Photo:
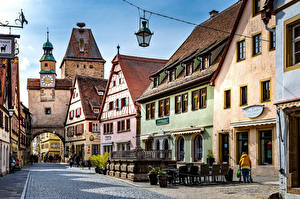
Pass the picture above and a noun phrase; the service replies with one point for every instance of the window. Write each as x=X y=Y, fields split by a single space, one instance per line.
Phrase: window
x=256 y=44
x=71 y=114
x=178 y=104
x=243 y=96
x=265 y=147
x=111 y=106
x=184 y=102
x=95 y=149
x=119 y=126
x=78 y=112
x=203 y=98
x=128 y=147
x=152 y=111
x=227 y=99
x=180 y=149
x=272 y=39
x=155 y=82
x=128 y=124
x=108 y=128
x=123 y=125
x=198 y=148
x=95 y=127
x=189 y=69
x=79 y=129
x=46 y=64
x=172 y=75
x=70 y=131
x=164 y=107
x=241 y=50
x=91 y=66
x=84 y=66
x=199 y=99
x=96 y=110
x=256 y=7
x=47 y=111
x=292 y=44
x=265 y=91
x=242 y=144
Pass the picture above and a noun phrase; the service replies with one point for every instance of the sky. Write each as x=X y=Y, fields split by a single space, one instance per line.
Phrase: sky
x=112 y=22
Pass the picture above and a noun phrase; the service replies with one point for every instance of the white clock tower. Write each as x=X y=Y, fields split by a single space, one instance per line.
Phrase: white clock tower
x=48 y=68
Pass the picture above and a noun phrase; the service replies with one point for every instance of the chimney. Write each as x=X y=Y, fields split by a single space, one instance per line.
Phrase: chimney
x=213 y=13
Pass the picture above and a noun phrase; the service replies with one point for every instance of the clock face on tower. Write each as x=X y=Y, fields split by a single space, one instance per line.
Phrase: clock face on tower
x=47 y=81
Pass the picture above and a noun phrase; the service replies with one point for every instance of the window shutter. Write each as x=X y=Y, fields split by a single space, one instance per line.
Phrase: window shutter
x=75 y=130
x=120 y=104
x=70 y=115
x=127 y=101
x=82 y=129
x=79 y=111
x=90 y=126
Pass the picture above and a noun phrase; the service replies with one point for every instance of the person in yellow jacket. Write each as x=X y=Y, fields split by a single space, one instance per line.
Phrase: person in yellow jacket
x=245 y=165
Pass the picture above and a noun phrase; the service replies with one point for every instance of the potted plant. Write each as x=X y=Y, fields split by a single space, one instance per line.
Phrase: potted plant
x=162 y=178
x=210 y=158
x=103 y=161
x=153 y=176
x=95 y=162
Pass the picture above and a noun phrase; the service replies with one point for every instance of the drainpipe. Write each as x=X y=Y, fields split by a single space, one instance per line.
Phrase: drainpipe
x=281 y=170
x=269 y=29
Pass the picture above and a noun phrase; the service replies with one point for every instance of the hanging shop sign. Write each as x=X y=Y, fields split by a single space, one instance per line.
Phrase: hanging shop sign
x=253 y=111
x=162 y=121
x=7 y=46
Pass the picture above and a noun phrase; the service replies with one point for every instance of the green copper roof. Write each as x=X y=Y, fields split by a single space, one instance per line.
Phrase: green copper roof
x=47 y=57
x=48 y=45
x=47 y=72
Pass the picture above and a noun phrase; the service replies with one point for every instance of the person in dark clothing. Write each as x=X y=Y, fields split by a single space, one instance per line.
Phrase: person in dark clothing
x=77 y=159
x=89 y=164
x=71 y=162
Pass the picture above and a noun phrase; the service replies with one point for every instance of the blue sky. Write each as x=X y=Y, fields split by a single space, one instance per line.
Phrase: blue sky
x=113 y=22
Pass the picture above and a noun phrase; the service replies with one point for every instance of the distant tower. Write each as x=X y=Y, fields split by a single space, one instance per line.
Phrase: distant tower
x=82 y=56
x=48 y=65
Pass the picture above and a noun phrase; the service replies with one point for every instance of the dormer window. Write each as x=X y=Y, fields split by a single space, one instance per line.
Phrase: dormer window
x=172 y=75
x=188 y=69
x=155 y=82
x=205 y=62
x=96 y=110
x=100 y=93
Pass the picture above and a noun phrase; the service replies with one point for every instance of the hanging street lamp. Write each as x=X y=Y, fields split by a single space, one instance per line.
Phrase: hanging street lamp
x=144 y=34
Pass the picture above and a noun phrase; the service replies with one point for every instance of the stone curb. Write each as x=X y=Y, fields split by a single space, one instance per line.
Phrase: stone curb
x=25 y=186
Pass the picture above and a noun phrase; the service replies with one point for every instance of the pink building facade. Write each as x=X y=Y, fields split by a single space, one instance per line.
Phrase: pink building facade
x=127 y=80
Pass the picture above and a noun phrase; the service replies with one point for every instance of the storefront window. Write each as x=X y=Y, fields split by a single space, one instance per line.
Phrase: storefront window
x=266 y=147
x=198 y=148
x=242 y=144
x=180 y=149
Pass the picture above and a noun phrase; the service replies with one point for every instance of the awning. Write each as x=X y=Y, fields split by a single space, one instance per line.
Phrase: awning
x=122 y=141
x=107 y=144
x=288 y=104
x=254 y=123
x=146 y=137
x=188 y=132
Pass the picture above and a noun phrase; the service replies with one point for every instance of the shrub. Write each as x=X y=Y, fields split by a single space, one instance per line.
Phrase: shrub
x=99 y=160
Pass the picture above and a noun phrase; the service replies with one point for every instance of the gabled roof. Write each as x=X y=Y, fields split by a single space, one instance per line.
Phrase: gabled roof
x=90 y=51
x=206 y=33
x=88 y=94
x=136 y=71
x=60 y=84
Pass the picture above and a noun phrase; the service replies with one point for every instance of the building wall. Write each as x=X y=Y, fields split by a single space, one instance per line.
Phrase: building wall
x=58 y=107
x=250 y=72
x=118 y=91
x=287 y=88
x=71 y=68
x=197 y=118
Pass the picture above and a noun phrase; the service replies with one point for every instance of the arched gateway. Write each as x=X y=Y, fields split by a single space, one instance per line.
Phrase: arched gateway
x=48 y=97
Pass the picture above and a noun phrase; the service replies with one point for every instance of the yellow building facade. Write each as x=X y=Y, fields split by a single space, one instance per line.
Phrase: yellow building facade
x=50 y=145
x=244 y=111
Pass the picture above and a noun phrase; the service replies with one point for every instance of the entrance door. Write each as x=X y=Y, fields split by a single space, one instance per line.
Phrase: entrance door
x=242 y=144
x=224 y=148
x=294 y=153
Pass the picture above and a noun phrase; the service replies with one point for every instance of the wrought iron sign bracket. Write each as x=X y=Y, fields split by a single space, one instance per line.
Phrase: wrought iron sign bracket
x=19 y=22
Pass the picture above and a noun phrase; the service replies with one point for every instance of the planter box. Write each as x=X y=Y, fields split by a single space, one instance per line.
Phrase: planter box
x=124 y=175
x=117 y=174
x=117 y=167
x=111 y=173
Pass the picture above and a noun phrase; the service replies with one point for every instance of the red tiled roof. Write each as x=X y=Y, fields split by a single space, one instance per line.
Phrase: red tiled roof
x=206 y=33
x=89 y=97
x=91 y=50
x=137 y=70
x=60 y=84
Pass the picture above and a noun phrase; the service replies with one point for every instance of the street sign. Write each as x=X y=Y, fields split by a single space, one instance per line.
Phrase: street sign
x=7 y=46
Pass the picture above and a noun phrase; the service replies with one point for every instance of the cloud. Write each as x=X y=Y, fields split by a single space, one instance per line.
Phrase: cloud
x=24 y=63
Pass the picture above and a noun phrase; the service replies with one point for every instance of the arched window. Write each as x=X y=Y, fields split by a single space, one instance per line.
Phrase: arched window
x=198 y=148
x=166 y=144
x=180 y=149
x=157 y=145
x=148 y=145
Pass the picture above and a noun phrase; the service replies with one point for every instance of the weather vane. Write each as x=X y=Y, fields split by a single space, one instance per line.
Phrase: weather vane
x=19 y=22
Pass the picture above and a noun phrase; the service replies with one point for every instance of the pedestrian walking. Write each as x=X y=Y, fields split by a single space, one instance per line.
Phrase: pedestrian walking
x=245 y=165
x=71 y=162
x=89 y=164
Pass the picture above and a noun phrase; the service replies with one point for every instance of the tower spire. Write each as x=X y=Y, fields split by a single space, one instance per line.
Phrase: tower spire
x=47 y=34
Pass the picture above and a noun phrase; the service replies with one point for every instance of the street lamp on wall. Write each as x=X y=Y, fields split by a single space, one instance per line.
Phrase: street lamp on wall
x=144 y=34
x=11 y=112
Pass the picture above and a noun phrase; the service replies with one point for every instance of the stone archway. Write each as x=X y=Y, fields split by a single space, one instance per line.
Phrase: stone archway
x=57 y=131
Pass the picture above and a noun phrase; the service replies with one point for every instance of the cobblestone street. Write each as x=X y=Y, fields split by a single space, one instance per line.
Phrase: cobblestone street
x=60 y=181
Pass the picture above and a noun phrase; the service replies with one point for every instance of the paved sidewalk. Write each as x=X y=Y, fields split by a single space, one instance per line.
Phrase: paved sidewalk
x=12 y=185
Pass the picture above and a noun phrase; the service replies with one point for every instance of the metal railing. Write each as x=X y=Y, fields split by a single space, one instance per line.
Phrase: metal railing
x=142 y=155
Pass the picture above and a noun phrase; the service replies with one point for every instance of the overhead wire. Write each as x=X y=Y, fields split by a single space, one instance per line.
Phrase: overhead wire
x=188 y=22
